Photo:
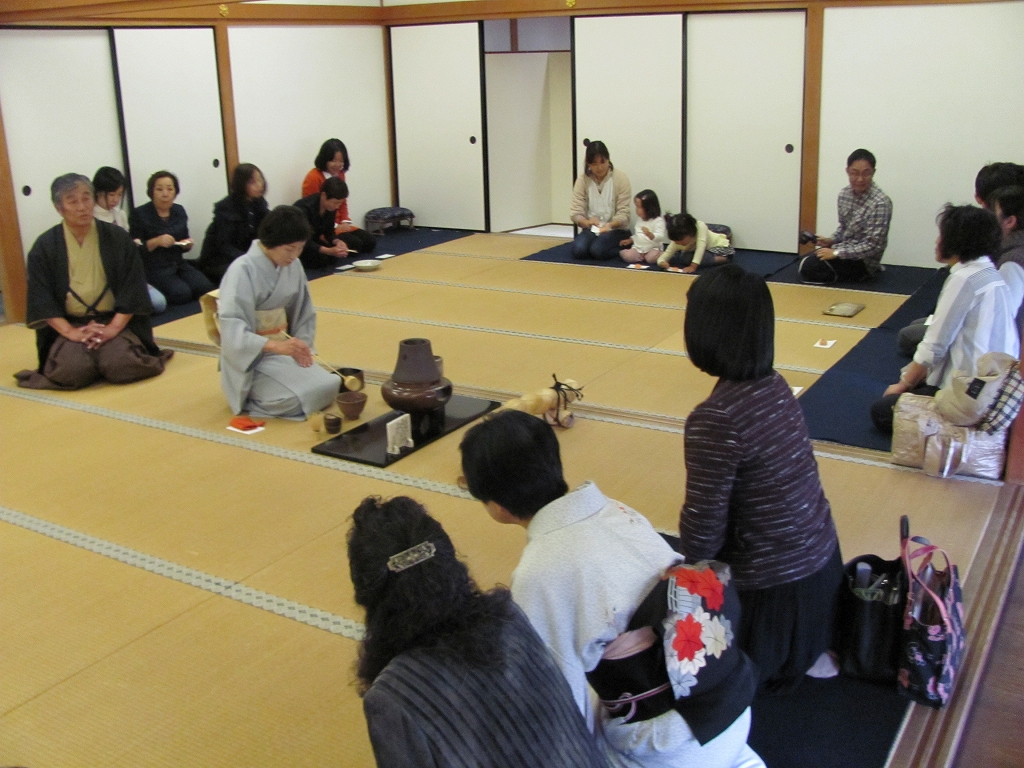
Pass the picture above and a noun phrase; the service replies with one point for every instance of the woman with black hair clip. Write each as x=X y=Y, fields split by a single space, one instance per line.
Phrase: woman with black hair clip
x=332 y=161
x=451 y=676
x=236 y=219
x=753 y=494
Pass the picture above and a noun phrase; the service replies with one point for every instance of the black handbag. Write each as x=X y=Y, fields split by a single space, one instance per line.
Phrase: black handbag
x=869 y=621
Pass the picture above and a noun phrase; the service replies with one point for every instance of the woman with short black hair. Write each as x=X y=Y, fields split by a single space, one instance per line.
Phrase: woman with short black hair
x=161 y=226
x=753 y=494
x=236 y=219
x=974 y=314
x=451 y=676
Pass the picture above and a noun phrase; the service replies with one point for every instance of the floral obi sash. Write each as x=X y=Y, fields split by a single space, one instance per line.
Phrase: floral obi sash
x=679 y=652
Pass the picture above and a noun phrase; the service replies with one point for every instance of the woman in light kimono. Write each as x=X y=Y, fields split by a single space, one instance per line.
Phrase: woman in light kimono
x=267 y=325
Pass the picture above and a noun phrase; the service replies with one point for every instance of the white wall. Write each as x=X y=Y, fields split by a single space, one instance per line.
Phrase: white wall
x=436 y=74
x=560 y=112
x=60 y=114
x=518 y=136
x=296 y=87
x=160 y=100
x=545 y=33
x=744 y=105
x=629 y=90
x=935 y=92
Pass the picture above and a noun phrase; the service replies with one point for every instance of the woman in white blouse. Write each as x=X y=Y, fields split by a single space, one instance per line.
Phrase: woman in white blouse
x=973 y=316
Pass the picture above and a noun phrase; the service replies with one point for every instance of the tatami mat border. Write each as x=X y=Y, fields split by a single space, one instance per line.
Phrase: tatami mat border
x=600 y=299
x=539 y=336
x=351 y=468
x=362 y=470
x=575 y=264
x=467 y=255
x=233 y=590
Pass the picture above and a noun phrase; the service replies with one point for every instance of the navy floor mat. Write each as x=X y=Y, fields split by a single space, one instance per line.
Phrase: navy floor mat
x=762 y=262
x=176 y=312
x=921 y=304
x=841 y=722
x=835 y=723
x=837 y=406
x=776 y=267
x=396 y=241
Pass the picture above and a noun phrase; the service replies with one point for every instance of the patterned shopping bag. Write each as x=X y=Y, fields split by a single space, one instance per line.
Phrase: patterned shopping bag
x=933 y=624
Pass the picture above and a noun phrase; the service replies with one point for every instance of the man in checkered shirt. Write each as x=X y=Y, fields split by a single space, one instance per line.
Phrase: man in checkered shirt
x=854 y=252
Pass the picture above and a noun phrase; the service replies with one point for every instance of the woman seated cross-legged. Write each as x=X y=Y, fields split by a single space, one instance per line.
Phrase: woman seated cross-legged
x=236 y=219
x=87 y=299
x=332 y=162
x=753 y=494
x=975 y=313
x=600 y=207
x=161 y=226
x=451 y=676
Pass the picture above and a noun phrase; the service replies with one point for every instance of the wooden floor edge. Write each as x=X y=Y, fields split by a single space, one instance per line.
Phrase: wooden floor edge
x=930 y=738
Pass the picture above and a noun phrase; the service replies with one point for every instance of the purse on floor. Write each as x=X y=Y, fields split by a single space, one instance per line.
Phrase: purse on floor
x=869 y=620
x=933 y=640
x=969 y=396
x=922 y=438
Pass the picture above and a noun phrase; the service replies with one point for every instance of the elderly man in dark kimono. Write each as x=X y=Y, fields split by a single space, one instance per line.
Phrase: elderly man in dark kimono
x=87 y=299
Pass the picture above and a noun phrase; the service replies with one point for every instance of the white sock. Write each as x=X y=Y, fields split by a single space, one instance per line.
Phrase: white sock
x=825 y=666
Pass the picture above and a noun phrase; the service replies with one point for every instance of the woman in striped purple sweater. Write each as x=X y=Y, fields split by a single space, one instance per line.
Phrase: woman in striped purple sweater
x=753 y=495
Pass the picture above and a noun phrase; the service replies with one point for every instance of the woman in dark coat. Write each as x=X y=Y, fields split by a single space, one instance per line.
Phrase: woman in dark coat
x=236 y=219
x=161 y=226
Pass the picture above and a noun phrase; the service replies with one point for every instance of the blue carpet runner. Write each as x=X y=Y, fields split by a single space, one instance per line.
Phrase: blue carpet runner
x=776 y=267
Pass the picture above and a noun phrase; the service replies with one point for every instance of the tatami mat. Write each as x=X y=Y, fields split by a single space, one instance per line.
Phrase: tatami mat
x=792 y=301
x=106 y=664
x=64 y=609
x=221 y=686
x=497 y=246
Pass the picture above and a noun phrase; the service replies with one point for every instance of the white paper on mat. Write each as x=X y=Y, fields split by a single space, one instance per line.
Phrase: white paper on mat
x=825 y=343
x=385 y=256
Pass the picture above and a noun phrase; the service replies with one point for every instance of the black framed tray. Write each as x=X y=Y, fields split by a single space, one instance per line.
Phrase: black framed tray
x=368 y=443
